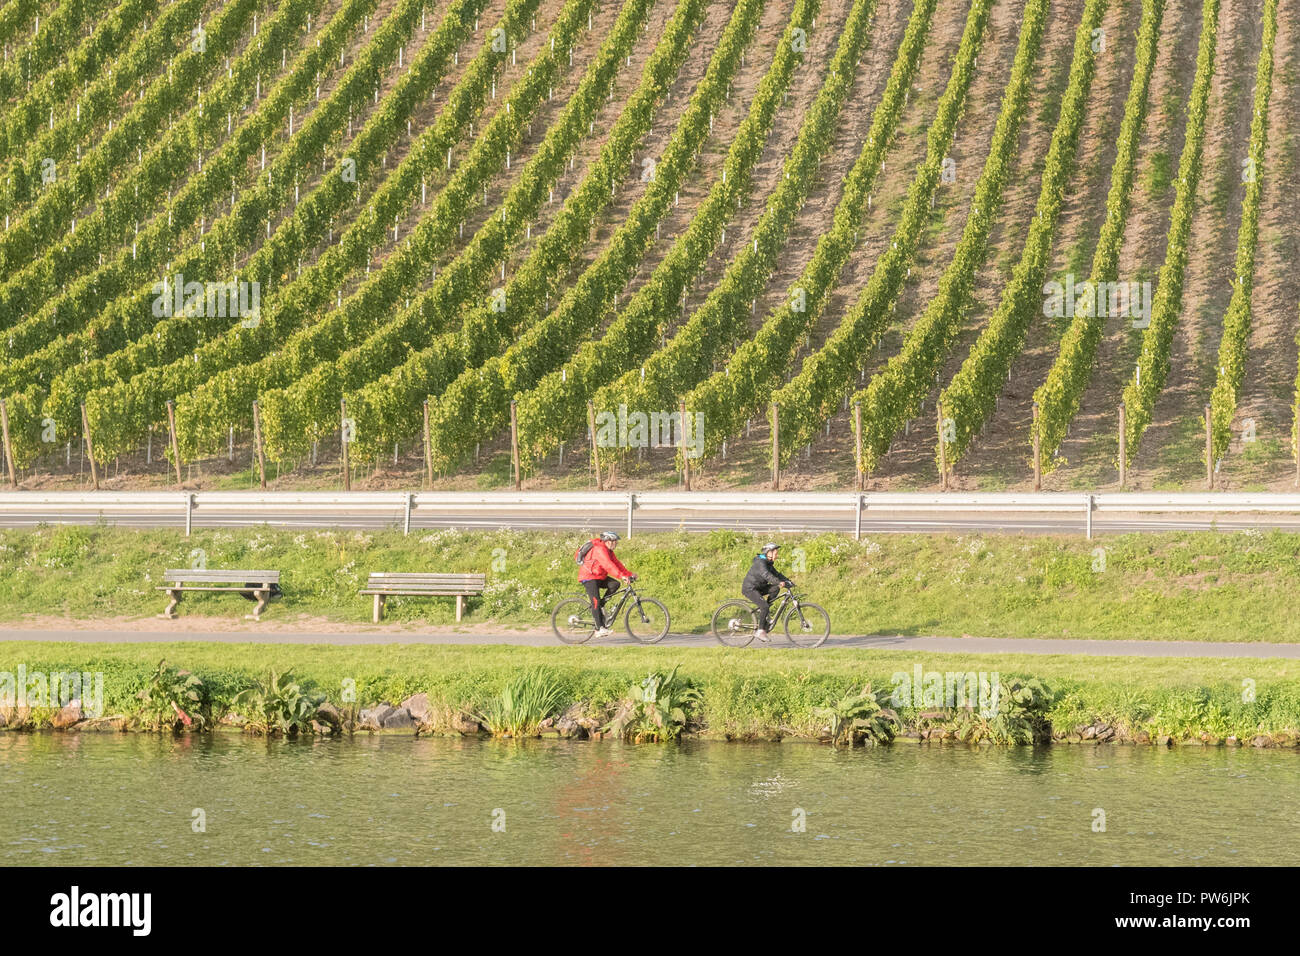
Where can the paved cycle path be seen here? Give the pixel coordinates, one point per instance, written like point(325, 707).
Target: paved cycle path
point(946, 645)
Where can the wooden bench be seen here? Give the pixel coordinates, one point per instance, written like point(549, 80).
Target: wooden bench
point(403, 584)
point(262, 585)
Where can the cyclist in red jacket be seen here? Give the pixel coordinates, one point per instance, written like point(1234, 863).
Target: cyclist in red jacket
point(600, 571)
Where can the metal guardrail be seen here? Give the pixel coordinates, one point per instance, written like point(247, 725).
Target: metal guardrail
point(56, 506)
point(1043, 501)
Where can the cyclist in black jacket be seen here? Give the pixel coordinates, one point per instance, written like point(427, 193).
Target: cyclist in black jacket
point(763, 582)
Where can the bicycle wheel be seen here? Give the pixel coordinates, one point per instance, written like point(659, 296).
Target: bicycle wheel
point(735, 623)
point(647, 620)
point(807, 625)
point(573, 621)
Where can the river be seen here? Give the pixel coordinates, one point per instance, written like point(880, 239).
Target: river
point(136, 799)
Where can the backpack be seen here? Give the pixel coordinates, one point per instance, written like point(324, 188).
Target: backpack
point(583, 552)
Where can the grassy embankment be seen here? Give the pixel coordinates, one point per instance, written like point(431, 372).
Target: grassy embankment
point(1185, 586)
point(742, 693)
point(1215, 587)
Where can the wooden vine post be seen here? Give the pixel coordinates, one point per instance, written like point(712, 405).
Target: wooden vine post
point(595, 447)
point(776, 447)
point(1123, 446)
point(9, 446)
point(1038, 454)
point(943, 448)
point(514, 442)
point(861, 480)
point(1209, 449)
point(428, 449)
point(257, 442)
point(90, 448)
point(176, 448)
point(686, 458)
point(343, 442)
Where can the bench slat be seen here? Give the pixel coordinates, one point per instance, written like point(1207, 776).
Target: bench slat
point(234, 577)
point(405, 576)
point(206, 587)
point(422, 592)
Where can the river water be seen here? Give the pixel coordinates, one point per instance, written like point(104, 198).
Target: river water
point(69, 799)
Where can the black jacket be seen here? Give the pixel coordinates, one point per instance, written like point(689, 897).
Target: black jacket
point(763, 575)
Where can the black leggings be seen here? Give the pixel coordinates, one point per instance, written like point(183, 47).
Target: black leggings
point(763, 598)
point(593, 588)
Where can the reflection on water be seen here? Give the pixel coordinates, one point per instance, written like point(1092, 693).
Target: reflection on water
point(130, 799)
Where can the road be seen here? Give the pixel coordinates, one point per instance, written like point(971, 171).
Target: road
point(943, 645)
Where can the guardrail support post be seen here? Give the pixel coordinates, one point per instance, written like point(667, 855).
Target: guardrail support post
point(9, 448)
point(857, 525)
point(1088, 504)
point(406, 525)
point(176, 449)
point(189, 512)
point(631, 506)
point(90, 448)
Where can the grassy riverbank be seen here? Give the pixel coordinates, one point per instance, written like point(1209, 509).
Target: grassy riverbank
point(1186, 586)
point(742, 694)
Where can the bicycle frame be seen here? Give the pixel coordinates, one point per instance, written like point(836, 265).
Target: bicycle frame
point(785, 602)
point(621, 596)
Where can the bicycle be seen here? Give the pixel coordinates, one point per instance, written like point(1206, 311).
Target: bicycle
point(806, 624)
point(574, 621)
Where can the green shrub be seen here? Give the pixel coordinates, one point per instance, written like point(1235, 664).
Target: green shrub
point(526, 701)
point(174, 700)
point(656, 710)
point(277, 705)
point(859, 717)
point(1018, 716)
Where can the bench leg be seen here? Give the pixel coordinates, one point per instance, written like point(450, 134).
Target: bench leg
point(174, 598)
point(379, 608)
point(460, 606)
point(262, 597)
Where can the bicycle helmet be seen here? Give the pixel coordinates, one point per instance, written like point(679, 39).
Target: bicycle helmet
point(608, 536)
point(770, 546)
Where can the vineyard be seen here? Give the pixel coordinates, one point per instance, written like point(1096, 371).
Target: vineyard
point(811, 244)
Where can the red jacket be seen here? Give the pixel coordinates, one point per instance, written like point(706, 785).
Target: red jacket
point(601, 563)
